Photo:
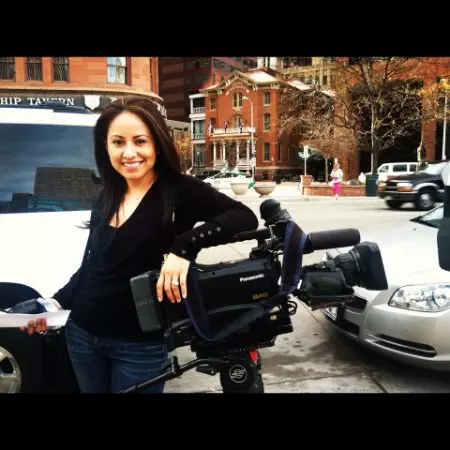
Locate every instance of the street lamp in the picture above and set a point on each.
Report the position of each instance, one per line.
(251, 138)
(444, 82)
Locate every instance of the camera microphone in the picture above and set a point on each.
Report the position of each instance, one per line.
(322, 240)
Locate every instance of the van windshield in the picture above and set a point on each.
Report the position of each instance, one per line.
(47, 161)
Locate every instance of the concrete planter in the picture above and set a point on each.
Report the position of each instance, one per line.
(239, 187)
(264, 188)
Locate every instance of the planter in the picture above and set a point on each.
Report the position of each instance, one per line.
(240, 187)
(264, 188)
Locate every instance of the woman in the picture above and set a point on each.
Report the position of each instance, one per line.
(336, 180)
(143, 218)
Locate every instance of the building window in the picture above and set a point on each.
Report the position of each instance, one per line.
(237, 100)
(198, 129)
(213, 103)
(199, 155)
(60, 68)
(237, 120)
(324, 80)
(266, 98)
(34, 68)
(7, 68)
(266, 151)
(266, 122)
(117, 69)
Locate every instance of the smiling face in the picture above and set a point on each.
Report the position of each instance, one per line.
(131, 148)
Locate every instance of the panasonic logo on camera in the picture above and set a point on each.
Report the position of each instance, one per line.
(253, 277)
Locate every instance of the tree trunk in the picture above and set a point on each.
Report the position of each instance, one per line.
(326, 169)
(374, 161)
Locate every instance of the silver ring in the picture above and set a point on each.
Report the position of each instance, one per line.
(175, 282)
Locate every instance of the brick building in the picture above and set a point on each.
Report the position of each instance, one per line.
(239, 110)
(80, 81)
(180, 77)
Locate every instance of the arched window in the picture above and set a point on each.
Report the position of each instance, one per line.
(237, 100)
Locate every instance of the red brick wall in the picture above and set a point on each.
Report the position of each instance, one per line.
(346, 191)
(87, 74)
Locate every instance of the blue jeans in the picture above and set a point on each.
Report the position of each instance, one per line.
(105, 365)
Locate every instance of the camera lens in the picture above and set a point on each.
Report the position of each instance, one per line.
(348, 263)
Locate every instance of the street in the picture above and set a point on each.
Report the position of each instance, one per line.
(315, 358)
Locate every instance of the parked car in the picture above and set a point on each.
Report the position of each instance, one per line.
(423, 188)
(224, 179)
(410, 321)
(48, 181)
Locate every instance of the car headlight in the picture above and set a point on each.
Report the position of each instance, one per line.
(427, 297)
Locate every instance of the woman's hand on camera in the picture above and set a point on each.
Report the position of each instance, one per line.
(36, 326)
(172, 279)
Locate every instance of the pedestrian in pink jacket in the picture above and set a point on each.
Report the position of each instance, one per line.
(336, 180)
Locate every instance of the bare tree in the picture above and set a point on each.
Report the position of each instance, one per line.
(307, 119)
(378, 100)
(182, 141)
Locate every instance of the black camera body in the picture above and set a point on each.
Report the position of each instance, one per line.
(225, 291)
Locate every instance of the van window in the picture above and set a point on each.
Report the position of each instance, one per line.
(47, 160)
(413, 167)
(400, 168)
(383, 168)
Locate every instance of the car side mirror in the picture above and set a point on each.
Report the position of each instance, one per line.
(443, 238)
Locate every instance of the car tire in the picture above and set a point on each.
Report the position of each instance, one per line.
(20, 354)
(425, 199)
(394, 204)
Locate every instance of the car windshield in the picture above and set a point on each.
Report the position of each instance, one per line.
(432, 218)
(47, 162)
(433, 169)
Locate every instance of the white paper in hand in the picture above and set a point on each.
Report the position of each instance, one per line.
(54, 319)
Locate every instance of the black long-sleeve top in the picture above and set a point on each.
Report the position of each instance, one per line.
(99, 293)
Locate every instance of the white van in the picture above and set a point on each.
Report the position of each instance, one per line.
(393, 169)
(389, 170)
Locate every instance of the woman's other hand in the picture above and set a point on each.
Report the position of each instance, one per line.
(173, 279)
(36, 326)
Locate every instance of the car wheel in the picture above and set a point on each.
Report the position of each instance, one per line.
(425, 199)
(10, 373)
(394, 204)
(20, 362)
(20, 354)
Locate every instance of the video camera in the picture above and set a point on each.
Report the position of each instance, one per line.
(236, 307)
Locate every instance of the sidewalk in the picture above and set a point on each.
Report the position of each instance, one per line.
(288, 190)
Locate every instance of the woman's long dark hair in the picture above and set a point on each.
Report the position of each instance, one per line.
(114, 185)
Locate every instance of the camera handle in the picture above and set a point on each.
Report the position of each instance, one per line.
(174, 370)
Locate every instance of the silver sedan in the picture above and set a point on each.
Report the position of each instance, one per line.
(410, 321)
